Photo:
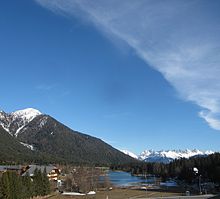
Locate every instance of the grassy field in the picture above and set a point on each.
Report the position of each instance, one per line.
(119, 194)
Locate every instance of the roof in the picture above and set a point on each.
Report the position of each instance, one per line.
(33, 167)
(10, 167)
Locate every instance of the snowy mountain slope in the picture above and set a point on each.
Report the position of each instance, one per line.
(130, 154)
(42, 133)
(166, 156)
(25, 115)
(52, 141)
(5, 121)
(14, 122)
(11, 150)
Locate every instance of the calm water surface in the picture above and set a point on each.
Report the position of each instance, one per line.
(120, 178)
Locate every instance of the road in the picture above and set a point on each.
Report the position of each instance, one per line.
(178, 197)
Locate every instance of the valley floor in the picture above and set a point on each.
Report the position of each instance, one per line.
(120, 194)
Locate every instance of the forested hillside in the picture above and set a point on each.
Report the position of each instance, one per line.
(182, 169)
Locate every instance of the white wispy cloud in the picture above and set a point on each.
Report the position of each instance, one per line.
(180, 39)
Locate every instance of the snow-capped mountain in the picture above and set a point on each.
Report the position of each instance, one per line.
(130, 154)
(27, 114)
(14, 122)
(31, 133)
(167, 156)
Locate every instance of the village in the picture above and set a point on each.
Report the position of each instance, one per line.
(83, 182)
(63, 180)
(52, 171)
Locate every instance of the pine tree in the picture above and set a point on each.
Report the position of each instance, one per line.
(41, 183)
(11, 186)
(45, 183)
(27, 186)
(37, 182)
(5, 186)
(1, 195)
(16, 185)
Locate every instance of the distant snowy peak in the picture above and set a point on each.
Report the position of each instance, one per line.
(130, 154)
(209, 152)
(167, 156)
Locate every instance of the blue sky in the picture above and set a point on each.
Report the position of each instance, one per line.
(137, 74)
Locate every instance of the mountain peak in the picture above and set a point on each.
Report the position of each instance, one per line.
(28, 113)
(169, 155)
(15, 121)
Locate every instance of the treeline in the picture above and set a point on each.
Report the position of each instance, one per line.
(14, 186)
(182, 169)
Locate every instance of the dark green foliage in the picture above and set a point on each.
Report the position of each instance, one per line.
(28, 189)
(182, 169)
(209, 168)
(5, 186)
(69, 146)
(11, 151)
(45, 183)
(37, 179)
(14, 186)
(11, 186)
(41, 183)
(56, 143)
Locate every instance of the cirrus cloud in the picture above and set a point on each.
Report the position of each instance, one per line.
(180, 39)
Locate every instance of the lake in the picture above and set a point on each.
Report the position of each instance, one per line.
(120, 178)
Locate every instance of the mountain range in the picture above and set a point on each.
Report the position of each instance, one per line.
(29, 135)
(166, 156)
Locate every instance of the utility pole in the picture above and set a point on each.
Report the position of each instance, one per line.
(196, 171)
(146, 184)
(146, 191)
(200, 188)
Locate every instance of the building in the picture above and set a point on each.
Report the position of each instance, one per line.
(52, 171)
(16, 168)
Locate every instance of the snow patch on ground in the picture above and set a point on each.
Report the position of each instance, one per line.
(91, 193)
(73, 194)
(43, 121)
(78, 194)
(31, 147)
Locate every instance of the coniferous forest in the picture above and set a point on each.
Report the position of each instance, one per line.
(182, 169)
(14, 186)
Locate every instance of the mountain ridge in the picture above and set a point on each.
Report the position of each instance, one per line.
(129, 153)
(44, 134)
(166, 156)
